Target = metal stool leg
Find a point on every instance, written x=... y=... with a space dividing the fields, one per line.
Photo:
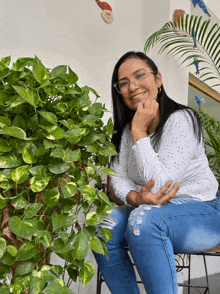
x=99 y=282
x=207 y=277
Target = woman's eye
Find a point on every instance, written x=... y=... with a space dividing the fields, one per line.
x=124 y=83
x=141 y=75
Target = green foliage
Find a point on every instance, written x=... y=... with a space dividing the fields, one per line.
x=177 y=39
x=212 y=128
x=54 y=147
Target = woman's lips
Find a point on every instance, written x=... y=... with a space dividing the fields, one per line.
x=137 y=96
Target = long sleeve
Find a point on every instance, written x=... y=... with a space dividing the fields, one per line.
x=122 y=184
x=179 y=156
x=176 y=151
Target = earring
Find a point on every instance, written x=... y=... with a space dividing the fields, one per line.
x=159 y=90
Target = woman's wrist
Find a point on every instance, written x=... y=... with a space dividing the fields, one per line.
x=131 y=198
x=138 y=134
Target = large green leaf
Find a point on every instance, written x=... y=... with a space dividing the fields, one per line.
x=96 y=245
x=76 y=134
x=9 y=161
x=96 y=109
x=25 y=267
x=5 y=121
x=19 y=202
x=51 y=197
x=81 y=246
x=5 y=60
x=58 y=168
x=92 y=218
x=30 y=153
x=14 y=132
x=2 y=247
x=62 y=220
x=20 y=174
x=37 y=284
x=108 y=171
x=61 y=247
x=3 y=202
x=32 y=209
x=68 y=189
x=38 y=183
x=106 y=233
x=49 y=116
x=27 y=251
x=56 y=133
x=10 y=255
x=45 y=238
x=109 y=151
x=40 y=73
x=89 y=192
x=29 y=95
x=57 y=287
x=23 y=228
x=59 y=72
x=87 y=272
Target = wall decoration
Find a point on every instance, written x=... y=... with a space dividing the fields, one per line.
x=195 y=58
x=201 y=5
x=106 y=14
x=177 y=12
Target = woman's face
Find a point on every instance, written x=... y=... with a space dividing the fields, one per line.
x=137 y=81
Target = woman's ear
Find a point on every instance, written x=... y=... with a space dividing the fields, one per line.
x=159 y=80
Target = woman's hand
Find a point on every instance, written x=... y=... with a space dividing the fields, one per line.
x=144 y=117
x=145 y=196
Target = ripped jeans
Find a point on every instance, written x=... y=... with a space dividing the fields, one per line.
x=153 y=234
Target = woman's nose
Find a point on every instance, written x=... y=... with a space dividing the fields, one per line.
x=133 y=85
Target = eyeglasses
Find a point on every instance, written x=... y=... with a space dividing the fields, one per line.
x=139 y=78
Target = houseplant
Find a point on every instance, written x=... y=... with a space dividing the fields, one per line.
x=195 y=41
x=212 y=128
x=54 y=148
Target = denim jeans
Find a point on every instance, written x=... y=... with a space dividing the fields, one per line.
x=153 y=234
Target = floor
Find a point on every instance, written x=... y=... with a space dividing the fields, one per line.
x=214 y=282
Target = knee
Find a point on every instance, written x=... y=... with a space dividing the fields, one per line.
x=143 y=221
x=116 y=221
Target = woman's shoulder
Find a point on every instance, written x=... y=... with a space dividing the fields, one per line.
x=182 y=115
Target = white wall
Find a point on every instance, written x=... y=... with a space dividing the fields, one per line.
x=72 y=32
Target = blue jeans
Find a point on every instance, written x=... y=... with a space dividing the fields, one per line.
x=153 y=234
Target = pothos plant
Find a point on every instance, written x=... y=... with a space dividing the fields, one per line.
x=54 y=148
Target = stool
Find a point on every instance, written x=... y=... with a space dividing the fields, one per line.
x=206 y=288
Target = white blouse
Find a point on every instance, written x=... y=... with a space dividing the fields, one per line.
x=178 y=157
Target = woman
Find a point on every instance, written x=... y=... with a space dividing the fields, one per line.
x=159 y=142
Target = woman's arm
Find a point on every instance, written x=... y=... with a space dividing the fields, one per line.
x=145 y=196
x=121 y=184
x=177 y=148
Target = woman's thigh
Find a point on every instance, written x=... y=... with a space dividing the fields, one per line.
x=190 y=225
x=117 y=221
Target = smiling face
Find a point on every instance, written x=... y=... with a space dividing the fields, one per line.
x=139 y=89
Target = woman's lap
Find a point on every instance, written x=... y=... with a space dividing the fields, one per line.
x=153 y=233
x=191 y=226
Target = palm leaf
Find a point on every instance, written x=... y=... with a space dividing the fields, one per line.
x=177 y=39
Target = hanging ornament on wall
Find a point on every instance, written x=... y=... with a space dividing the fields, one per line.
x=201 y=5
x=177 y=14
x=195 y=58
x=106 y=14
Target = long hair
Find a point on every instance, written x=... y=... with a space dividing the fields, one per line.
x=122 y=115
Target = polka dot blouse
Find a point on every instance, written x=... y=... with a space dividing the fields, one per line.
x=178 y=157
